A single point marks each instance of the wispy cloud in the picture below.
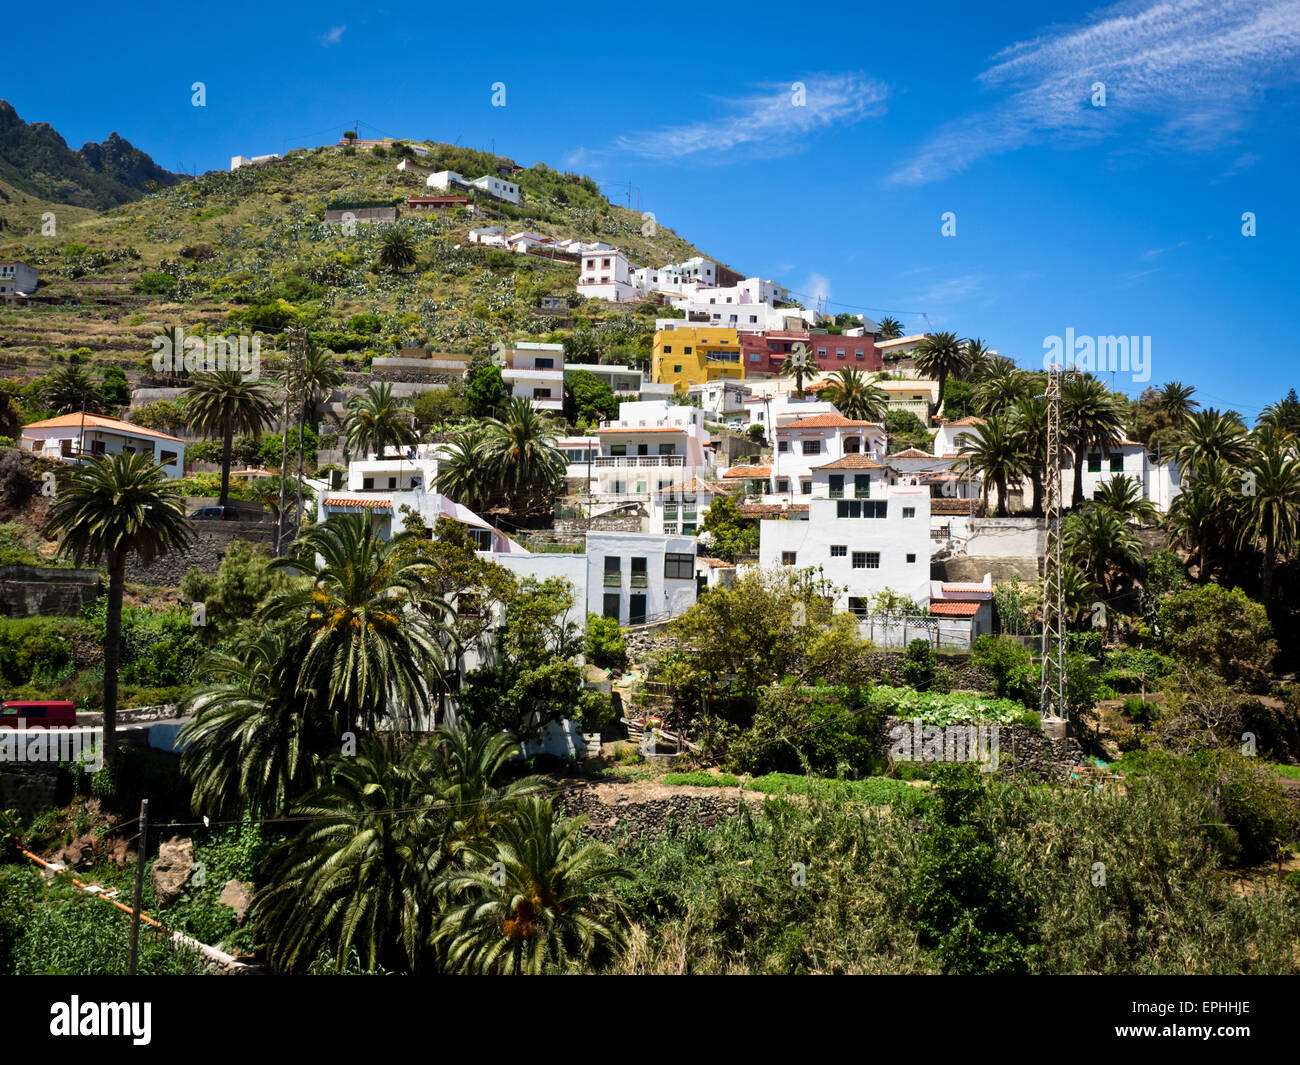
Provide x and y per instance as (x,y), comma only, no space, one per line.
(950,290)
(332,38)
(772,120)
(1195,67)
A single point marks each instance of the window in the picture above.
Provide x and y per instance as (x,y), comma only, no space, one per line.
(613,571)
(859,353)
(821,352)
(861,485)
(909,512)
(840,353)
(788,558)
(805,486)
(783,484)
(640,578)
(911,559)
(860,508)
(541,364)
(812,447)
(367,484)
(670,528)
(618,449)
(851,445)
(167,458)
(1116,463)
(866,560)
(1094,462)
(677,369)
(687,350)
(839,550)
(782,446)
(668,349)
(392,483)
(668,449)
(837,486)
(857,607)
(679,567)
(604,263)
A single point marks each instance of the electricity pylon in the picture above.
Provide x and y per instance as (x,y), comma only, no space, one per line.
(1054,692)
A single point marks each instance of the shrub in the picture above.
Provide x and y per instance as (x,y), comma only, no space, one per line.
(606,646)
(1218,627)
(820,730)
(155,283)
(919,668)
(700,779)
(1010,665)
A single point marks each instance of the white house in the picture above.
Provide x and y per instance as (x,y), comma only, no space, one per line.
(899,346)
(491,235)
(388,511)
(495,186)
(236,161)
(973,602)
(393,473)
(1160,483)
(17,276)
(680,507)
(951,436)
(606,275)
(444,180)
(535,372)
(861,546)
(624,380)
(723,398)
(69,437)
(654,444)
(640,577)
(811,443)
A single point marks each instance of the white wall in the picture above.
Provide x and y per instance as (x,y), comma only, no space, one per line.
(664,597)
(894,537)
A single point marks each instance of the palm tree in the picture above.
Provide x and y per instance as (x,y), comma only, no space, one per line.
(376,420)
(1210,440)
(71,388)
(522,458)
(890,328)
(800,363)
(1000,386)
(222,401)
(1029,421)
(320,376)
(1097,540)
(1272,509)
(1175,401)
(856,396)
(1078,591)
(1092,416)
(939,357)
(106,511)
(1199,516)
(396,250)
(362,874)
(254,739)
(997,456)
(979,358)
(537,906)
(376,637)
(1122,496)
(462,468)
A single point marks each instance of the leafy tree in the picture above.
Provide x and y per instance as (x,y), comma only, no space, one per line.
(1284,414)
(824,729)
(1272,510)
(161,414)
(1010,664)
(588,398)
(115,389)
(905,430)
(1218,627)
(606,646)
(920,665)
(437,408)
(105,511)
(486,393)
(463,473)
(244,580)
(223,402)
(729,535)
(1211,442)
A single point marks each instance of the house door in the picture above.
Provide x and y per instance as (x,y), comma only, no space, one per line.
(701,584)
(636,610)
(612,604)
(643,449)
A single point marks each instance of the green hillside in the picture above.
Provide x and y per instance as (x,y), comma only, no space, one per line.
(250,250)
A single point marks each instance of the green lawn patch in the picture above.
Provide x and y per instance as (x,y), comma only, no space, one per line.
(700,779)
(874,791)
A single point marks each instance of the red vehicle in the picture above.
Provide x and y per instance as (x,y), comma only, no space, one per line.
(45,714)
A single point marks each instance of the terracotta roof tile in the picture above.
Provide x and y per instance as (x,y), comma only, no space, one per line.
(750,472)
(371,502)
(98,421)
(825,421)
(854,462)
(945,609)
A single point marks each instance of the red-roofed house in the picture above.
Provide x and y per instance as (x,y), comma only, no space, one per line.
(69,437)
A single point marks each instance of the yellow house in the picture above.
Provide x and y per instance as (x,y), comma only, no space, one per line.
(692,355)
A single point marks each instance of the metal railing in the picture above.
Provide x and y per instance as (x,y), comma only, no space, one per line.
(607,461)
(613,580)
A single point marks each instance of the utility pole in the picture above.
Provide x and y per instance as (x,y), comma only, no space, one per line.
(139,888)
(1054,688)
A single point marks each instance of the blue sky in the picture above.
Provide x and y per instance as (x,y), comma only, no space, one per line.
(1117,220)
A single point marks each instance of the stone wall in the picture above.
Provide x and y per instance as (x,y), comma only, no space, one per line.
(971,569)
(211,541)
(28,787)
(1021,749)
(26,591)
(628,820)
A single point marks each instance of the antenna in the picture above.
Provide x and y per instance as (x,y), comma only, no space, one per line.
(1054,687)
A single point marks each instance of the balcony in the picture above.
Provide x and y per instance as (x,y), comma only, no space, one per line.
(626,461)
(614,580)
(640,580)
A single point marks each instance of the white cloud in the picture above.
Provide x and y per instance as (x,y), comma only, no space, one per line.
(1194,67)
(817,287)
(333,37)
(771,121)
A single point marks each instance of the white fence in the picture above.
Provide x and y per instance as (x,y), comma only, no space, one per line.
(898,630)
